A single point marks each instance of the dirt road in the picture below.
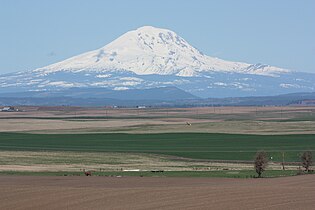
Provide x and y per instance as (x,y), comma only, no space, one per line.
(28,192)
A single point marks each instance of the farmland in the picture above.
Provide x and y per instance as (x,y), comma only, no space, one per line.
(198,154)
(69,139)
(233,120)
(34,192)
(188,145)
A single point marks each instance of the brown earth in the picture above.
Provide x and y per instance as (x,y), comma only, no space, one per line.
(242,120)
(29,192)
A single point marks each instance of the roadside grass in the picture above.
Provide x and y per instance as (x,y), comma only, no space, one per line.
(221,174)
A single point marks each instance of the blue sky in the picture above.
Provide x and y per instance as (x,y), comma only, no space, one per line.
(36,33)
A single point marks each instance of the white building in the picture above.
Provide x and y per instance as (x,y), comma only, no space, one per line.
(8,109)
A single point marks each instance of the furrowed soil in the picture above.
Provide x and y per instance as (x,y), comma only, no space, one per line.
(30,192)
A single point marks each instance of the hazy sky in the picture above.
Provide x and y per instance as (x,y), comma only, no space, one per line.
(35,33)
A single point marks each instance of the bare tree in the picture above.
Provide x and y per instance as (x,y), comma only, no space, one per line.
(261,162)
(306,159)
(283,168)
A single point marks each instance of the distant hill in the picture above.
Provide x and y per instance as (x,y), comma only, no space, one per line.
(162,93)
(97,97)
(278,100)
(156,97)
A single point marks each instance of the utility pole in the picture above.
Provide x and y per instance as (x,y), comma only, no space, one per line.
(283,161)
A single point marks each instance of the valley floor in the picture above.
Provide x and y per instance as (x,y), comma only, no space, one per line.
(70,139)
(241,120)
(154,158)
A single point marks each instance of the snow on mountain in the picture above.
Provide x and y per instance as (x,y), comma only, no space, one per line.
(150,50)
(151,57)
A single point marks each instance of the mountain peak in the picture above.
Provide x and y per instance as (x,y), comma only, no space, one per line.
(151,50)
(152,29)
(150,57)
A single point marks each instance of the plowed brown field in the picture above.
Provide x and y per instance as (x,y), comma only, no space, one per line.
(30,192)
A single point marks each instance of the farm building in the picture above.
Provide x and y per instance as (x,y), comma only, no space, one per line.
(8,109)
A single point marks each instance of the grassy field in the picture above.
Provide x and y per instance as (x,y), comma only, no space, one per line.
(188,145)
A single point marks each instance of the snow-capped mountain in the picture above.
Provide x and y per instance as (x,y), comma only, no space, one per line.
(150,50)
(151,57)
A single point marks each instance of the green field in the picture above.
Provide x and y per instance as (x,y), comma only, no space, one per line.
(189,145)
